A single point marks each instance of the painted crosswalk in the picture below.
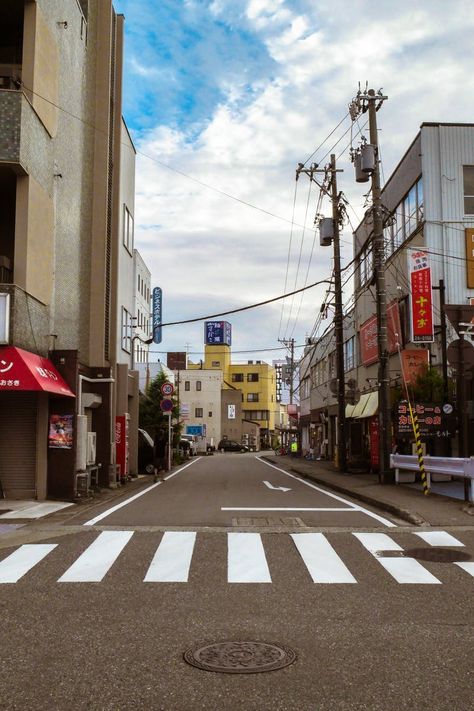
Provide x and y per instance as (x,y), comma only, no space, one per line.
(247,560)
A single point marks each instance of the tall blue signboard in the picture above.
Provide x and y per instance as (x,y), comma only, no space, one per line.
(217,333)
(157,318)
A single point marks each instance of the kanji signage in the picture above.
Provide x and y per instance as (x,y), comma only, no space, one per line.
(368,335)
(434,420)
(414,363)
(217,333)
(157,314)
(421,297)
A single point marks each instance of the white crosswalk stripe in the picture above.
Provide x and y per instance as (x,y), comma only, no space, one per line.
(22,560)
(246,558)
(404,570)
(322,561)
(96,560)
(172,559)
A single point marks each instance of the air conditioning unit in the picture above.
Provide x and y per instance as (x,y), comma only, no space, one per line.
(91,447)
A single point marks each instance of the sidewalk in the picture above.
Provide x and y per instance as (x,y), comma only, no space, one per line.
(402,501)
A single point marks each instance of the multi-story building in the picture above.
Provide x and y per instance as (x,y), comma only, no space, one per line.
(142,321)
(199,396)
(428,215)
(60,156)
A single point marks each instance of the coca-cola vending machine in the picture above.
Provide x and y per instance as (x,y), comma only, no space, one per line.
(122,425)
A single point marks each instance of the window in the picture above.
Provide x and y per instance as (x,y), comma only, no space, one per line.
(252,377)
(209,414)
(128,231)
(256,415)
(198,412)
(216,364)
(349,354)
(237,377)
(468,174)
(187,385)
(198,385)
(127,325)
(252,397)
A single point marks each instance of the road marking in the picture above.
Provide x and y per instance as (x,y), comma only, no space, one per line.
(282,508)
(112,510)
(246,559)
(321,560)
(98,558)
(18,563)
(353,506)
(172,559)
(404,570)
(275,488)
(467,566)
(439,538)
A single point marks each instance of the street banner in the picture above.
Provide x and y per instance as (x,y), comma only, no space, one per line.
(421,301)
(414,363)
(368,335)
(157,314)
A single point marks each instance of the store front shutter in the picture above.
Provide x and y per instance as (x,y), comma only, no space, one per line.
(18,445)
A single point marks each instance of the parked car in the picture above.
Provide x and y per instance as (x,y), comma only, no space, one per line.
(189,443)
(145,452)
(229,445)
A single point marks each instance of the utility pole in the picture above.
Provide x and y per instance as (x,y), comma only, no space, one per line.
(371,102)
(290,344)
(338,323)
(332,235)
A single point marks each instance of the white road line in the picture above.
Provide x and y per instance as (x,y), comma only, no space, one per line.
(246,559)
(468,566)
(172,559)
(112,510)
(439,538)
(18,563)
(282,508)
(356,507)
(404,570)
(98,558)
(323,563)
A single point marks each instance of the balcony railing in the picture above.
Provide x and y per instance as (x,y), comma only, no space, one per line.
(6,270)
(10,76)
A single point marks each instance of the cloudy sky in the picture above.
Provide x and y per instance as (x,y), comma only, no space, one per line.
(224,97)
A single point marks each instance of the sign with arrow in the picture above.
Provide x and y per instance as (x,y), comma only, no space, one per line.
(275,488)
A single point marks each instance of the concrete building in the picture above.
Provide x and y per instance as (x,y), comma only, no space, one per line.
(60,156)
(141,310)
(199,396)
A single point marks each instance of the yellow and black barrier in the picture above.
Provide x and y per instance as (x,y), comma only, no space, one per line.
(419,450)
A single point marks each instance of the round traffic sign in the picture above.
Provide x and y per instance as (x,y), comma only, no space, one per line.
(167,389)
(166,405)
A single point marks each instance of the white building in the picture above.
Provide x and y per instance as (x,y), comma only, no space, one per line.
(141,310)
(199,393)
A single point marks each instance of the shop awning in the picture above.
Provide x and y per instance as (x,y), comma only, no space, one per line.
(349,410)
(359,407)
(372,405)
(21,370)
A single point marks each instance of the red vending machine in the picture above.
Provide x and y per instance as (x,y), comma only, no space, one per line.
(121,444)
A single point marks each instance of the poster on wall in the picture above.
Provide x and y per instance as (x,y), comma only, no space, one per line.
(60,431)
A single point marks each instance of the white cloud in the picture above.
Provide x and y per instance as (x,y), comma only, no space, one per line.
(209,252)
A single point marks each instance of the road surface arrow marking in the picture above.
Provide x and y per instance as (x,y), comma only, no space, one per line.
(275,488)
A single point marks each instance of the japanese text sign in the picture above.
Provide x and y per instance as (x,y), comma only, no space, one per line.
(421,297)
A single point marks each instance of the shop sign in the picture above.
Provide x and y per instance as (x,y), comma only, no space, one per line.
(434,420)
(420,297)
(157,312)
(184,411)
(194,430)
(60,431)
(217,332)
(414,363)
(368,335)
(374,442)
(231,412)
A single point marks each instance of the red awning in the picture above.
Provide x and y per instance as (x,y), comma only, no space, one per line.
(21,370)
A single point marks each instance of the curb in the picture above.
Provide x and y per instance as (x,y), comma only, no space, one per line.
(405,515)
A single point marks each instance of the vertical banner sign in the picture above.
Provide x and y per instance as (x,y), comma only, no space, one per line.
(421,297)
(470,257)
(157,314)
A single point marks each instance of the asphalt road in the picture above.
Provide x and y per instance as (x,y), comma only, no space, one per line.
(99,621)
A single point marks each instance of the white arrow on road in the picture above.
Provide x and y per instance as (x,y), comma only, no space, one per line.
(275,488)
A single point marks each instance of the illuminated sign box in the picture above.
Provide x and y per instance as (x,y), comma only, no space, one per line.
(217,333)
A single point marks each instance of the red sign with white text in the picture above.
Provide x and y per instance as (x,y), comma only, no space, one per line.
(368,335)
(421,298)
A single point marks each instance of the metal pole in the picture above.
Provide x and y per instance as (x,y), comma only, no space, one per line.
(338,326)
(169,441)
(381,298)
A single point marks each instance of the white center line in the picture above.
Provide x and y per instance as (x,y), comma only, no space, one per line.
(282,508)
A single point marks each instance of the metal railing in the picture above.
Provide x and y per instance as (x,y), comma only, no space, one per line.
(449,466)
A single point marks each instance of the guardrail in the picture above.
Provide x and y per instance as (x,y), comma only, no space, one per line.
(450,466)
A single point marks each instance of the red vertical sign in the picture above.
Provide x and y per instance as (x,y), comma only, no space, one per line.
(421,297)
(374,442)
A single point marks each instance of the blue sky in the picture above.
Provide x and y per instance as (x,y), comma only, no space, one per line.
(234,93)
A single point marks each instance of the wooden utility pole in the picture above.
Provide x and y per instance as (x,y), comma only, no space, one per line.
(338,324)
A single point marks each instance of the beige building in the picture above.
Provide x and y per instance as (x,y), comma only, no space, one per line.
(60,158)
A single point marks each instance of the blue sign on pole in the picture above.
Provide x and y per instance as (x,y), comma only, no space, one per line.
(194,430)
(157,318)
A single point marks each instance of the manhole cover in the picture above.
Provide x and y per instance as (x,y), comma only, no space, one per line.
(437,555)
(239,657)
